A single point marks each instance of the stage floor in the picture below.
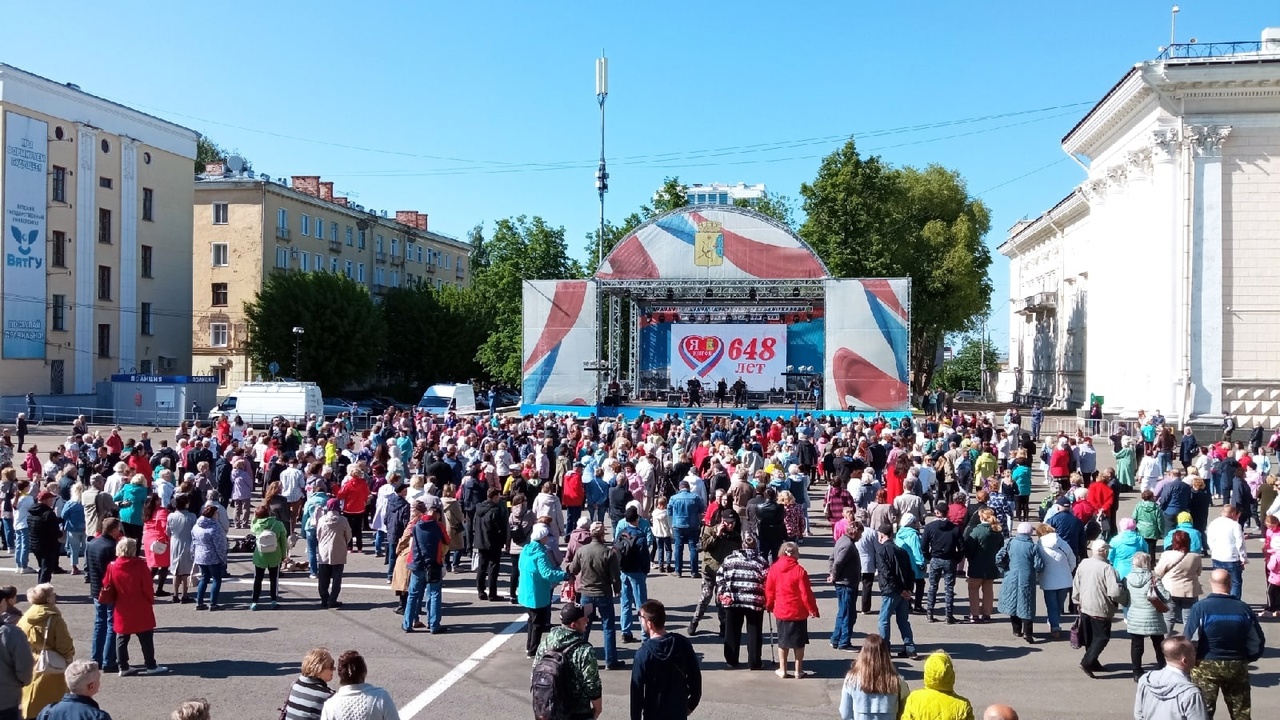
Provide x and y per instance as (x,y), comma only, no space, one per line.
(633,410)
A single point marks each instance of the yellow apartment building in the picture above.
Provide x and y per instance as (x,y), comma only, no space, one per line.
(97,202)
(247,226)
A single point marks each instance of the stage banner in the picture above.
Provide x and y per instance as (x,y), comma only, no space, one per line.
(560,330)
(26,141)
(755,353)
(868,344)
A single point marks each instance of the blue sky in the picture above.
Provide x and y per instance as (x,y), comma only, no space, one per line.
(481,110)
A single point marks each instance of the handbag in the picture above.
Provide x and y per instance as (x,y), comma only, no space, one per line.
(1076,644)
(49,661)
(159,547)
(1153,597)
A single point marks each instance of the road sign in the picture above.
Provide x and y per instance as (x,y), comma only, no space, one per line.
(274,367)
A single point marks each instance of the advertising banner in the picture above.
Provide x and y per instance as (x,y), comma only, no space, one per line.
(868,344)
(560,335)
(25,169)
(755,353)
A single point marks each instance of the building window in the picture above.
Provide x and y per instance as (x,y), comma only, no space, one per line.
(217,334)
(333,265)
(59,249)
(360,240)
(145,321)
(319,229)
(302,261)
(104,282)
(333,233)
(377,244)
(360,272)
(104,226)
(104,340)
(317,263)
(282,218)
(220,258)
(349,234)
(219,213)
(221,374)
(104,182)
(395,245)
(347,269)
(148,202)
(59,184)
(106,146)
(145,367)
(59,312)
(282,257)
(145,256)
(306,224)
(378,276)
(218,295)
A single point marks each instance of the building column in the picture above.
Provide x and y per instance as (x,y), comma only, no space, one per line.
(129,307)
(1204,145)
(86,271)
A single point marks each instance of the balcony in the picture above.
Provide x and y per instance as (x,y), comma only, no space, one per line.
(335,246)
(380,257)
(397,260)
(379,288)
(283,233)
(1248,50)
(460,275)
(431,268)
(277,270)
(1040,302)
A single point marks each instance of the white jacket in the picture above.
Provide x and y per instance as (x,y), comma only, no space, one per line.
(1059,562)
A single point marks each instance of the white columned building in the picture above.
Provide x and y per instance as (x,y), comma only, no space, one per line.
(1148,283)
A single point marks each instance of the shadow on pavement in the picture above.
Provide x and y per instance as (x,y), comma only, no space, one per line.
(222,669)
(208,630)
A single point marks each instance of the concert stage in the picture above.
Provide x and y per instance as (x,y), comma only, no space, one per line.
(711,296)
(631,411)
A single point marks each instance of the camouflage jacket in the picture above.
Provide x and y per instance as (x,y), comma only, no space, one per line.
(585,683)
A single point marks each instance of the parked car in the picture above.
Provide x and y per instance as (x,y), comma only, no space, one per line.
(966,396)
(333,406)
(443,397)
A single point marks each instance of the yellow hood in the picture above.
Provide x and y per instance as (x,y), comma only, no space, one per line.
(939,673)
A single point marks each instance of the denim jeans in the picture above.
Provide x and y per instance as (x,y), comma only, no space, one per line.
(379,539)
(418,586)
(603,608)
(846,614)
(1053,600)
(103,648)
(22,548)
(897,607)
(8,533)
(210,575)
(596,512)
(666,553)
(75,547)
(682,537)
(571,520)
(313,551)
(1236,571)
(635,592)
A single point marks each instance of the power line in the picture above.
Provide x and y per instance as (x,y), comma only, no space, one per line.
(1026,174)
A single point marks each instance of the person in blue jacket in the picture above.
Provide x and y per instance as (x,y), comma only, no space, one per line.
(1185,525)
(686,510)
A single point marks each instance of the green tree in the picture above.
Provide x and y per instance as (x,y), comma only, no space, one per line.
(344,337)
(433,335)
(964,370)
(778,207)
(520,249)
(670,196)
(868,219)
(479,255)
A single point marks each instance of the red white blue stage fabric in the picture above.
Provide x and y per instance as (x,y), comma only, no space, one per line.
(868,344)
(559,335)
(714,243)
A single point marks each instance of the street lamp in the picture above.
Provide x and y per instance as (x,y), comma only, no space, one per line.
(297,349)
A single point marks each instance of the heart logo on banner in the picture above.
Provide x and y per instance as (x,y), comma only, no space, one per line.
(701,354)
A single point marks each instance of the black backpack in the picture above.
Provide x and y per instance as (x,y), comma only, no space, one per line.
(549,684)
(631,551)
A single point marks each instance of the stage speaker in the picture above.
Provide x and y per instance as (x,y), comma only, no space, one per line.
(613,400)
(753,405)
(673,400)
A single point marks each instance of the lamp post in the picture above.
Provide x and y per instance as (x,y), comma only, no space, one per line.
(297,349)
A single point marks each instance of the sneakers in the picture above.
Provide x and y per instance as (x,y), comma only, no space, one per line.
(201,606)
(628,638)
(157,670)
(130,672)
(693,629)
(616,665)
(253,606)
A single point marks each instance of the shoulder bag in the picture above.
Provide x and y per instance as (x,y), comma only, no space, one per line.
(1153,597)
(49,661)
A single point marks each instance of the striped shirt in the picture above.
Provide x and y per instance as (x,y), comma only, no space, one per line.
(306,698)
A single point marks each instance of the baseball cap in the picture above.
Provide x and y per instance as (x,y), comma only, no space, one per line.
(573,612)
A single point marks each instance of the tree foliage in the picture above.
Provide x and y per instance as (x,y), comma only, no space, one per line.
(670,196)
(778,207)
(964,370)
(433,335)
(344,330)
(208,151)
(520,249)
(868,219)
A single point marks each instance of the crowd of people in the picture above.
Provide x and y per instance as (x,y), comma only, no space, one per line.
(581,513)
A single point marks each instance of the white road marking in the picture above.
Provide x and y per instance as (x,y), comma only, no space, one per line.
(431,694)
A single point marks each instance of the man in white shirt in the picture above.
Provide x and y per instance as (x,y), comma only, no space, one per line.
(293,487)
(1226,546)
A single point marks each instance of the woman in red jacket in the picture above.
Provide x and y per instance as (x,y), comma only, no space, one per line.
(354,495)
(1060,463)
(127,586)
(788,595)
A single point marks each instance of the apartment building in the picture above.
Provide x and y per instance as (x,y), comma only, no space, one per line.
(247,226)
(97,202)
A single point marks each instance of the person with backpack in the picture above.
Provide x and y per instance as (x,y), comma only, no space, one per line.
(633,543)
(268,552)
(489,538)
(565,683)
(599,579)
(666,681)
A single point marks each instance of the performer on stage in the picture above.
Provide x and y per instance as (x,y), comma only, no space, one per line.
(815,390)
(695,392)
(722,391)
(739,393)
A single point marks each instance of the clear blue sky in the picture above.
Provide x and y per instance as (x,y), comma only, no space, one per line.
(481,110)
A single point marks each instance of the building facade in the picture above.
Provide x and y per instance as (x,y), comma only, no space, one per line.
(723,193)
(97,207)
(247,226)
(1148,284)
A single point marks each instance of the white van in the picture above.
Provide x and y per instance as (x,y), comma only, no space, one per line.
(257,403)
(443,397)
